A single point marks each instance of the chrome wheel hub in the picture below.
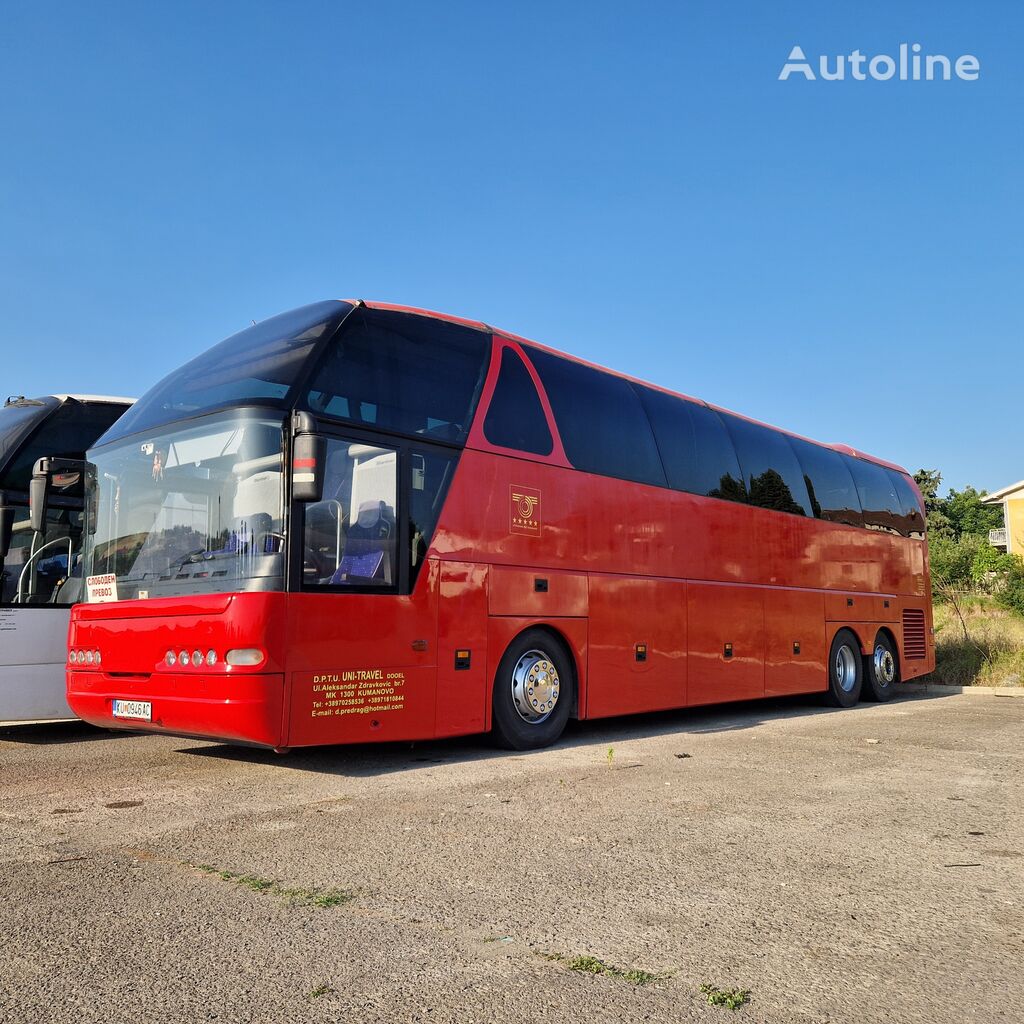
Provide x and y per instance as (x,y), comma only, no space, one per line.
(846,668)
(885,665)
(535,687)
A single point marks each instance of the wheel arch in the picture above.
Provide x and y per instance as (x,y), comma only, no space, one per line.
(573,648)
(840,627)
(891,637)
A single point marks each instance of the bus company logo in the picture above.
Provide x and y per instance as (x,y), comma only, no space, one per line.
(525,511)
(910,64)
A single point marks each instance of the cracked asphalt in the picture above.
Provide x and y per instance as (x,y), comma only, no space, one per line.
(862,865)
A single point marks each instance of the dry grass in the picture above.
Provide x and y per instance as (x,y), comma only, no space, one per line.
(994,654)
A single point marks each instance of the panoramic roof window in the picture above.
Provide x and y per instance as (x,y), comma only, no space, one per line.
(772,474)
(515,418)
(831,488)
(912,522)
(602,424)
(402,372)
(66,434)
(259,365)
(695,447)
(18,418)
(882,507)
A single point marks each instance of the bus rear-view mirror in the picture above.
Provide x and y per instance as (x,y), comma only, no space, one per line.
(6,528)
(308,455)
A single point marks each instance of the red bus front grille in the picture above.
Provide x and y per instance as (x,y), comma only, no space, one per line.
(914,648)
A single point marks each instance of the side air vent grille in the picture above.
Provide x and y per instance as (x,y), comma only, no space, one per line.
(913,634)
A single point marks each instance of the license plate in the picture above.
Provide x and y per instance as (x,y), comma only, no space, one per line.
(141,709)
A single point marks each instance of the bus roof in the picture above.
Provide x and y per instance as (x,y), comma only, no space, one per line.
(479,325)
(119,400)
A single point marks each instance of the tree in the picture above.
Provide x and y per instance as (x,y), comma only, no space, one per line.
(928,482)
(968,516)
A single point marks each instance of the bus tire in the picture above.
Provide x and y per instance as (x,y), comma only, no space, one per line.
(845,671)
(881,670)
(533,692)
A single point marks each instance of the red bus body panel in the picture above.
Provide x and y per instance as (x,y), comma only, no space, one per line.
(663,599)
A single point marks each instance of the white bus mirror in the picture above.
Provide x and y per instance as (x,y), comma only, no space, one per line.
(39,495)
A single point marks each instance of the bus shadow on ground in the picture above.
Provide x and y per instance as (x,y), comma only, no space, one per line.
(52,733)
(373,759)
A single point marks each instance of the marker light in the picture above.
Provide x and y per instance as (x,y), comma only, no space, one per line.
(211,658)
(245,656)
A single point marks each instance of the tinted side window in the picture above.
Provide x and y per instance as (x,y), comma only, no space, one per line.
(407,373)
(695,447)
(67,434)
(830,487)
(515,418)
(601,421)
(351,536)
(913,514)
(882,509)
(50,582)
(771,472)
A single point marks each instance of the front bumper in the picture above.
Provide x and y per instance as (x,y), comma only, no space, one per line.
(245,707)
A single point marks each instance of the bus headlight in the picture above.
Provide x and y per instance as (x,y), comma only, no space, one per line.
(183,658)
(211,658)
(245,656)
(171,659)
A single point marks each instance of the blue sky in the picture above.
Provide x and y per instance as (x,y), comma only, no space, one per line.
(628,182)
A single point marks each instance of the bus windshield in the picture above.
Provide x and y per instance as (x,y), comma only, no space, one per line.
(189,509)
(18,418)
(257,365)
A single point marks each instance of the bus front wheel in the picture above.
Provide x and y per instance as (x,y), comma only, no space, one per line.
(881,670)
(845,671)
(533,692)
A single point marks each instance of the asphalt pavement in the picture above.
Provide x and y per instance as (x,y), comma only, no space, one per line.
(841,866)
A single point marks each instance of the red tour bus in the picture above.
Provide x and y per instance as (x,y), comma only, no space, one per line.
(358,521)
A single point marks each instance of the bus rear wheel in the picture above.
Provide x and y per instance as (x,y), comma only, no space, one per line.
(533,692)
(845,671)
(881,670)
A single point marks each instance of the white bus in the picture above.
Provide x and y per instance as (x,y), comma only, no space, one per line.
(39,572)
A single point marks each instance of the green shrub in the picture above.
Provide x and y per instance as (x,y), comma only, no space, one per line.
(1010,593)
(952,561)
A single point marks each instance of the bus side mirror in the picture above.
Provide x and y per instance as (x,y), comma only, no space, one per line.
(92,499)
(309,452)
(6,529)
(39,495)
